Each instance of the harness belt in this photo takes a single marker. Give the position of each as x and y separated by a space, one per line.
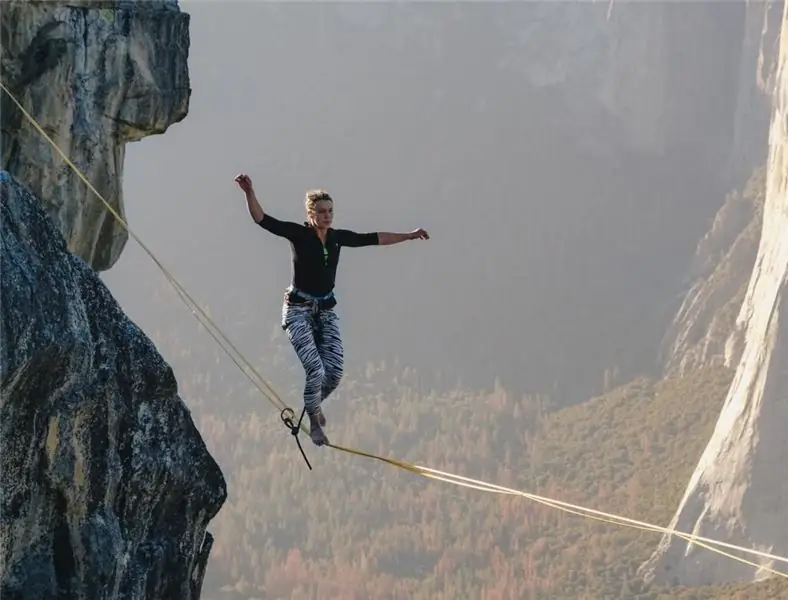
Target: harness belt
295 297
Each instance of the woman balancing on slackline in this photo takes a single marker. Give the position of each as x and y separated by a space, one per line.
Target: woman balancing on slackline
308 314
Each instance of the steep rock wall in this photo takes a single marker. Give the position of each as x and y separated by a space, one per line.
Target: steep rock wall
95 75
737 492
107 485
704 331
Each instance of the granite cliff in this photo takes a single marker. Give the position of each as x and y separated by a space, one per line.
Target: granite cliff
95 75
704 331
737 491
108 487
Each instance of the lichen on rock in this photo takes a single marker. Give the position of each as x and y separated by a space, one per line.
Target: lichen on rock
108 487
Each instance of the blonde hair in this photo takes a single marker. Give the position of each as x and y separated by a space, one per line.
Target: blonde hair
314 196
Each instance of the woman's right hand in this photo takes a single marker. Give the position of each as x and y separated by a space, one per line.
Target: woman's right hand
244 182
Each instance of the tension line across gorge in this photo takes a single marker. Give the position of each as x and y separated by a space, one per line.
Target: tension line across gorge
287 413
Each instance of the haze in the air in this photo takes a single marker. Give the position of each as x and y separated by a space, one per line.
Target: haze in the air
556 250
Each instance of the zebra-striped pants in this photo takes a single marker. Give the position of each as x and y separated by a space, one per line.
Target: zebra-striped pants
316 340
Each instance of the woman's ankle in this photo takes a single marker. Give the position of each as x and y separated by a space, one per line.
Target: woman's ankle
317 416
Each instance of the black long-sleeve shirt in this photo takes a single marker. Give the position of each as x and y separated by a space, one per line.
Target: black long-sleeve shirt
315 264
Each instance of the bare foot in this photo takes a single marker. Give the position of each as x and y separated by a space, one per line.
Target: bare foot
316 431
321 418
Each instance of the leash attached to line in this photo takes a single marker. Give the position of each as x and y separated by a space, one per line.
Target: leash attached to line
288 418
288 415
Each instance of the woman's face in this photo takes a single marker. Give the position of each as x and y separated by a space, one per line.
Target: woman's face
322 214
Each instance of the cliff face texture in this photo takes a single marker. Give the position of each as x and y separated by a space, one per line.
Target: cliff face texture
95 75
704 330
738 490
107 486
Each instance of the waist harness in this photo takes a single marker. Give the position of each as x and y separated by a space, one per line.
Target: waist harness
295 297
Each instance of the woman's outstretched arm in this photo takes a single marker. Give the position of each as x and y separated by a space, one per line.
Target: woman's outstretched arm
386 238
284 229
352 239
255 210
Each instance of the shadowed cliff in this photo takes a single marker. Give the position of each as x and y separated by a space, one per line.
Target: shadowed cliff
108 487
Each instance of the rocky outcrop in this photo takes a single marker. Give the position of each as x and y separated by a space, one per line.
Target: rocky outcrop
107 485
96 75
738 490
704 330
